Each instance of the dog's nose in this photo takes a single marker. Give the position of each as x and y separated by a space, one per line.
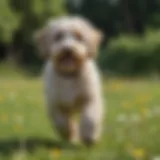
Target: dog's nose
68 51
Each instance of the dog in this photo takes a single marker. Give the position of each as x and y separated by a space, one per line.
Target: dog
71 77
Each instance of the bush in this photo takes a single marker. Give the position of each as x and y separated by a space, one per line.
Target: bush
132 55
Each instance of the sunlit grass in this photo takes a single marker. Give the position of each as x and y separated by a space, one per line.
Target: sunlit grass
131 128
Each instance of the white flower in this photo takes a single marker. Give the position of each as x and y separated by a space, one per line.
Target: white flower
135 118
19 155
156 110
12 96
19 119
122 117
156 158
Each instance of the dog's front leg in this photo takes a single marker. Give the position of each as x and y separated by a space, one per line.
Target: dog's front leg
65 125
91 122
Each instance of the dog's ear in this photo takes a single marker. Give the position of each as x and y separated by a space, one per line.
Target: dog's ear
41 41
96 39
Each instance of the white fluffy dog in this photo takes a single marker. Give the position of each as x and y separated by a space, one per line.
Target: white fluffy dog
72 81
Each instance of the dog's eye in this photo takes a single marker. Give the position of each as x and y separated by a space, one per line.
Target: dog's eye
58 37
78 36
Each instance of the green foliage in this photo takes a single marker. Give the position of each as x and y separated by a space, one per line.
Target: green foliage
132 55
33 15
127 54
25 16
117 16
8 21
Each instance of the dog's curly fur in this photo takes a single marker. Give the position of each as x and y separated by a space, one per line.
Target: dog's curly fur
72 81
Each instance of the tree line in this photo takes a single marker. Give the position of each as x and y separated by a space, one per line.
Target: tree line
130 26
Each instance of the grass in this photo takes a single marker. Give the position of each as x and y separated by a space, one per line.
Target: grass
131 127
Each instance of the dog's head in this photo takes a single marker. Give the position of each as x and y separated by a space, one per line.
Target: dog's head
69 42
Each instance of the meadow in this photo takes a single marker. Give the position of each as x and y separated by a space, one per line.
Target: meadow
131 127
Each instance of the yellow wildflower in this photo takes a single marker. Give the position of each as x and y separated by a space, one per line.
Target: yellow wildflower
144 112
138 153
18 128
116 86
55 153
143 99
126 105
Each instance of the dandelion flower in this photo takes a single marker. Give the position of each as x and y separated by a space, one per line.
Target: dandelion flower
138 153
55 153
143 99
116 86
144 112
18 127
126 105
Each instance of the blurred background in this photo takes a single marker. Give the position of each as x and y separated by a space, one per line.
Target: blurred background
129 60
131 28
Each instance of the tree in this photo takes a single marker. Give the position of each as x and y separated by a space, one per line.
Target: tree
118 16
18 21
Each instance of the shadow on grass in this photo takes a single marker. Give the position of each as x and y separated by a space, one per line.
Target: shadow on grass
9 146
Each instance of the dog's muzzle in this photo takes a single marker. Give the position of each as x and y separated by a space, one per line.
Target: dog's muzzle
67 58
68 62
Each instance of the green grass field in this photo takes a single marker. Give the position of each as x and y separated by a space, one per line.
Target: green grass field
131 128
